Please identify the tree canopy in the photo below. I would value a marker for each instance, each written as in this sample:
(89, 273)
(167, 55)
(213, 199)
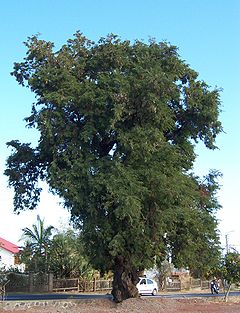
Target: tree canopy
(118, 125)
(67, 256)
(35, 253)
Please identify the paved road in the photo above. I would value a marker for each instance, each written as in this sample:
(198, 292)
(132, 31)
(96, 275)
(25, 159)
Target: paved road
(197, 295)
(53, 296)
(65, 296)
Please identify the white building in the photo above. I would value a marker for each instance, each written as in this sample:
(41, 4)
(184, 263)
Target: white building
(8, 255)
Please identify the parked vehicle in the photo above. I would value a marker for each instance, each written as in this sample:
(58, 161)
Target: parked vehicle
(147, 286)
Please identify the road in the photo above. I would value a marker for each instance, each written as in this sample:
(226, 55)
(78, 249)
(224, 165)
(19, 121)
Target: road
(53, 296)
(67, 296)
(197, 295)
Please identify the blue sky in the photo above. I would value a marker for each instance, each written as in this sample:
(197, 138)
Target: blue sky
(208, 36)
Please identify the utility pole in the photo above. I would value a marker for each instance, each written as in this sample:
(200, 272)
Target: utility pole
(227, 242)
(227, 246)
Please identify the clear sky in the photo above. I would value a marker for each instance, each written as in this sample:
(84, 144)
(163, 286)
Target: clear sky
(207, 33)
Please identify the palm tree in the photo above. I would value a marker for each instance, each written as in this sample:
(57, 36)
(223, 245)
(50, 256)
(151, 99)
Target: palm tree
(37, 242)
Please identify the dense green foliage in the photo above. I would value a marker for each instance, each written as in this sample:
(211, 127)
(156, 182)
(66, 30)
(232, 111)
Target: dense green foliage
(35, 253)
(67, 256)
(228, 271)
(118, 124)
(231, 267)
(61, 254)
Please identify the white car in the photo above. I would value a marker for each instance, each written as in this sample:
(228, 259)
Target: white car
(147, 286)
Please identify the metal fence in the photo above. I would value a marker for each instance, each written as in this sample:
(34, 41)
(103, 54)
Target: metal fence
(18, 282)
(31, 282)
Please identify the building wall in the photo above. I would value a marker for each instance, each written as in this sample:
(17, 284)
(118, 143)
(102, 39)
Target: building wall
(6, 258)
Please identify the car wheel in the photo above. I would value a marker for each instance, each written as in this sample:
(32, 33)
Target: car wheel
(154, 292)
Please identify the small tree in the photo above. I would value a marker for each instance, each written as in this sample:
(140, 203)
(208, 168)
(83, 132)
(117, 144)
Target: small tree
(35, 253)
(165, 269)
(67, 256)
(230, 271)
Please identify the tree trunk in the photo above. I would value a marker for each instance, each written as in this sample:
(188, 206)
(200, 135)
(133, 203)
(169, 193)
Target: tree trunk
(227, 293)
(124, 280)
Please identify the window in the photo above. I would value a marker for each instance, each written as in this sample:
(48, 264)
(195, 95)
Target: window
(16, 260)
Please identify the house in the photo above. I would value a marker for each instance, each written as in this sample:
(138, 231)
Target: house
(8, 255)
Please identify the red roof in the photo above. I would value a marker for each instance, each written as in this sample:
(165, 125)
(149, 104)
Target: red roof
(7, 245)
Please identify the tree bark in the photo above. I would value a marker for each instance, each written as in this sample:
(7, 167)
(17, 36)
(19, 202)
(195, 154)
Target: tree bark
(124, 280)
(227, 293)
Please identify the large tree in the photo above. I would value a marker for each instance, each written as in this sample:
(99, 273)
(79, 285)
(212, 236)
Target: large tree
(118, 125)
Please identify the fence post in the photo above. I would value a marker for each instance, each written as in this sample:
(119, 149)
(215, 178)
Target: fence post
(50, 282)
(84, 284)
(164, 284)
(94, 284)
(30, 281)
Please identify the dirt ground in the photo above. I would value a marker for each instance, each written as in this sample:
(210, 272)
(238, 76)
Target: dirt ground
(146, 305)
